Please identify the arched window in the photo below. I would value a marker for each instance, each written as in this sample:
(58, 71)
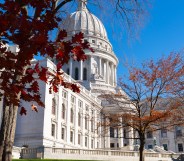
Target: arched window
(86, 122)
(79, 119)
(71, 115)
(63, 111)
(76, 74)
(53, 106)
(68, 71)
(84, 74)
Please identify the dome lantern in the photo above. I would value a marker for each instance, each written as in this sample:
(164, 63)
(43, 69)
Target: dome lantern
(82, 5)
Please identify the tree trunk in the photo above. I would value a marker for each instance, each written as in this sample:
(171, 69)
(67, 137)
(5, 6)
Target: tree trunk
(7, 131)
(141, 149)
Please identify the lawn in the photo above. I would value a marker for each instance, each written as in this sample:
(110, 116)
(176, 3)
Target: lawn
(47, 160)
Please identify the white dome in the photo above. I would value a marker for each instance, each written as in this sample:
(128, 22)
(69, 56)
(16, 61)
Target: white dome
(82, 20)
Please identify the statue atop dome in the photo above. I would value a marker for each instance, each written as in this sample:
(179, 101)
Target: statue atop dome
(82, 5)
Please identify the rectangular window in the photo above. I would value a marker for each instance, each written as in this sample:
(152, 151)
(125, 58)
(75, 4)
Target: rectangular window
(79, 139)
(178, 131)
(64, 94)
(165, 146)
(97, 144)
(62, 133)
(80, 103)
(112, 145)
(92, 143)
(53, 130)
(86, 141)
(163, 133)
(150, 146)
(71, 136)
(111, 132)
(149, 134)
(73, 99)
(180, 147)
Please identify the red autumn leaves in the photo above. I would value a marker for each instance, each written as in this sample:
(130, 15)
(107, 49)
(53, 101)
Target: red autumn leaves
(28, 24)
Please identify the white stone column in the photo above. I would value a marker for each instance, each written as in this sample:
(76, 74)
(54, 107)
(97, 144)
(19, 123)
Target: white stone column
(68, 119)
(112, 75)
(131, 141)
(100, 66)
(90, 66)
(107, 71)
(70, 67)
(121, 143)
(115, 75)
(81, 70)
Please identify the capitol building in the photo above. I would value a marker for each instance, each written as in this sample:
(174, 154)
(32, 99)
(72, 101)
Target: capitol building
(71, 120)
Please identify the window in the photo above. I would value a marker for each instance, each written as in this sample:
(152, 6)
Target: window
(79, 119)
(112, 145)
(73, 99)
(111, 132)
(71, 136)
(53, 106)
(87, 108)
(178, 131)
(150, 146)
(53, 130)
(71, 115)
(149, 134)
(79, 139)
(68, 71)
(76, 74)
(97, 144)
(64, 94)
(117, 145)
(92, 125)
(165, 146)
(86, 141)
(180, 147)
(100, 43)
(62, 133)
(92, 144)
(93, 41)
(86, 122)
(85, 41)
(63, 111)
(80, 103)
(163, 133)
(84, 74)
(124, 133)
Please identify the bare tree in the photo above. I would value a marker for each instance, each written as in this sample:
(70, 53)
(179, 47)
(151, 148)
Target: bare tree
(152, 98)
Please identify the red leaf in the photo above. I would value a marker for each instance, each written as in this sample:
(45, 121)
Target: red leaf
(75, 88)
(77, 38)
(34, 108)
(62, 34)
(60, 54)
(23, 111)
(35, 86)
(37, 68)
(43, 74)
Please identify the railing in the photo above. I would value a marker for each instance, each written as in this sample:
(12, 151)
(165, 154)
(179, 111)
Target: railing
(49, 152)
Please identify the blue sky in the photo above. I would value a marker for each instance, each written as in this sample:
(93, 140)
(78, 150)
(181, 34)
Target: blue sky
(162, 33)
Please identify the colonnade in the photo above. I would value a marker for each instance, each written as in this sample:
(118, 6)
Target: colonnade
(106, 70)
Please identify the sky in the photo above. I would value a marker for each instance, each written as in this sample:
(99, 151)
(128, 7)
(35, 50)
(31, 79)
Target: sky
(162, 33)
